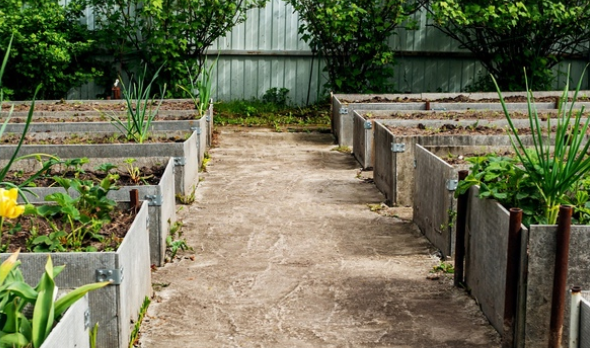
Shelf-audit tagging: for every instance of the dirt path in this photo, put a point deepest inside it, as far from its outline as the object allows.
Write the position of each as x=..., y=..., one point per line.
x=288, y=254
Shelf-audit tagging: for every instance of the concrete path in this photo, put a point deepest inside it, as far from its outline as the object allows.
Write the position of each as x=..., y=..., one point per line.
x=288, y=254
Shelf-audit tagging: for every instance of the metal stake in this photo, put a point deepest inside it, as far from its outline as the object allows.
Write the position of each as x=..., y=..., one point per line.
x=512, y=270
x=460, y=237
x=560, y=276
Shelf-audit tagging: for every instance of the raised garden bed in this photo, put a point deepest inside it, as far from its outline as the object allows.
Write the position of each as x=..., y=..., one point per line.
x=343, y=105
x=187, y=155
x=115, y=306
x=363, y=122
x=161, y=206
x=486, y=243
x=72, y=329
x=395, y=140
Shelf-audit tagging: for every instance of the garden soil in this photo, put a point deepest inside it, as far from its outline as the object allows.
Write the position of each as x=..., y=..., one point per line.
x=293, y=248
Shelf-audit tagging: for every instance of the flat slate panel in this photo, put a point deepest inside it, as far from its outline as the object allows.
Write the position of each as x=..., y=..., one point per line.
x=434, y=206
x=70, y=331
x=383, y=170
x=542, y=246
x=486, y=255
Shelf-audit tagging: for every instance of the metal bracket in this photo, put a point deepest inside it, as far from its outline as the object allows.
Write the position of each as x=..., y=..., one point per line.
x=196, y=129
x=452, y=184
x=438, y=109
x=154, y=200
x=115, y=276
x=368, y=124
x=179, y=161
x=343, y=111
x=87, y=319
x=208, y=118
x=398, y=147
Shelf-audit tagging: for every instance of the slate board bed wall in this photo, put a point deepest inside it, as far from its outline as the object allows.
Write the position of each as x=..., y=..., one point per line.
x=115, y=306
x=185, y=154
x=161, y=208
x=363, y=147
x=486, y=244
x=486, y=247
x=393, y=171
x=434, y=204
x=343, y=106
x=71, y=330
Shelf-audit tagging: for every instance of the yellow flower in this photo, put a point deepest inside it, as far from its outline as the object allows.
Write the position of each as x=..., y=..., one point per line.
x=8, y=206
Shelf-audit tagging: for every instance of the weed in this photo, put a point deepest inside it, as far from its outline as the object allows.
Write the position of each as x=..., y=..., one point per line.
x=175, y=242
x=206, y=160
x=343, y=149
x=134, y=338
x=188, y=198
x=444, y=267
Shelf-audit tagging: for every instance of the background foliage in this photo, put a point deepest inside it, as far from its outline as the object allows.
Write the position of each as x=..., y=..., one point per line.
x=133, y=32
x=50, y=46
x=352, y=35
x=507, y=36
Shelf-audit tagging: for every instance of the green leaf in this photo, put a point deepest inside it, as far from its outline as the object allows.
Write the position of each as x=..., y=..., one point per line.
x=63, y=303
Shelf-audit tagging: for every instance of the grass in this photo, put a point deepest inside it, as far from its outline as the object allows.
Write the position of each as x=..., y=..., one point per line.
x=258, y=113
x=343, y=149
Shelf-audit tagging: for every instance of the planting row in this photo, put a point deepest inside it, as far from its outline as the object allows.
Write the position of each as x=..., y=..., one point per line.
x=514, y=157
x=55, y=167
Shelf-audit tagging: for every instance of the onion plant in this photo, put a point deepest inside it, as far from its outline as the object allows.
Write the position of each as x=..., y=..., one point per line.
x=201, y=85
x=140, y=108
x=555, y=162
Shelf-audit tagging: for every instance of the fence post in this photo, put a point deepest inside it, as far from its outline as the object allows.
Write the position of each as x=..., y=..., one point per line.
x=460, y=237
x=560, y=276
x=512, y=271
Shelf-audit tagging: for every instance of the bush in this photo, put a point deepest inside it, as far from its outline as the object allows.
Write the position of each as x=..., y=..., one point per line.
x=50, y=46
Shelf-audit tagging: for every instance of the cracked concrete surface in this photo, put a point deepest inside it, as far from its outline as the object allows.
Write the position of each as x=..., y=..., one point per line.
x=288, y=254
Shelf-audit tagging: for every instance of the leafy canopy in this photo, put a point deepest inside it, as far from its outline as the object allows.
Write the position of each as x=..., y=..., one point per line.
x=507, y=36
x=155, y=32
x=352, y=36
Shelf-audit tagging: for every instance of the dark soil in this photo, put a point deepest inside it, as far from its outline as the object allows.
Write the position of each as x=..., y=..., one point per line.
x=82, y=117
x=84, y=139
x=451, y=129
x=17, y=233
x=456, y=160
x=149, y=176
x=93, y=106
x=458, y=99
x=460, y=115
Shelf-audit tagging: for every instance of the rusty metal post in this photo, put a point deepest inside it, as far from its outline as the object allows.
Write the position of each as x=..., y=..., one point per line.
x=134, y=200
x=575, y=316
x=427, y=105
x=560, y=276
x=512, y=271
x=460, y=233
x=116, y=90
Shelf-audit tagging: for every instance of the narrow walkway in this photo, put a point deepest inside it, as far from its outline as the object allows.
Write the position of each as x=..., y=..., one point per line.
x=288, y=254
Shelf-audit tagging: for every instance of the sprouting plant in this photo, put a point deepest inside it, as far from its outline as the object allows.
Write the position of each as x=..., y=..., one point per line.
x=106, y=167
x=444, y=267
x=206, y=160
x=83, y=216
x=201, y=85
x=93, y=334
x=140, y=108
x=74, y=165
x=135, y=172
x=19, y=330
